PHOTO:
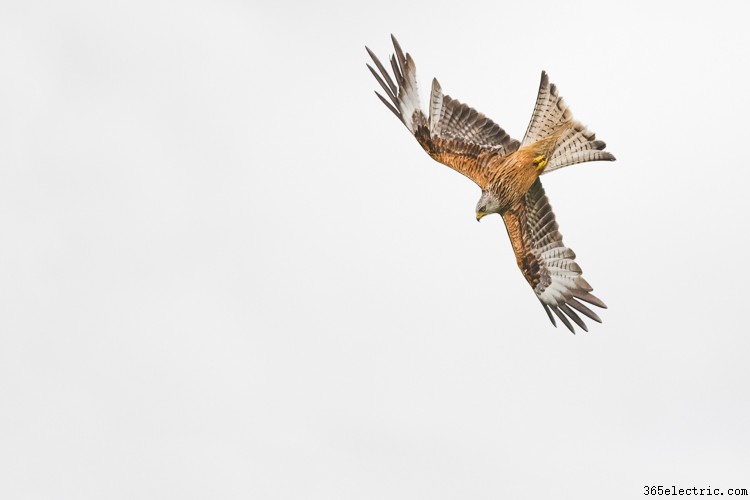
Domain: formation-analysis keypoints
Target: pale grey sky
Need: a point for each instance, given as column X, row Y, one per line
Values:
column 227, row 271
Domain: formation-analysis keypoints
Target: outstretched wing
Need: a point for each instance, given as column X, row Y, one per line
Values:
column 546, row 263
column 453, row 134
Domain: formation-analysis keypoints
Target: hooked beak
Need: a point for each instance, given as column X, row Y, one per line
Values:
column 480, row 215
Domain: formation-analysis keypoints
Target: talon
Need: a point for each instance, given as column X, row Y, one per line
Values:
column 540, row 162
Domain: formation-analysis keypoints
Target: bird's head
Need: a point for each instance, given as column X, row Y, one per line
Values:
column 487, row 204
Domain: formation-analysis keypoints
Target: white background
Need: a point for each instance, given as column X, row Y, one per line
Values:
column 227, row 271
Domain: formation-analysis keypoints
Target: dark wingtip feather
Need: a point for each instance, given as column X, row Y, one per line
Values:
column 371, row 53
column 586, row 296
column 563, row 318
column 387, row 90
column 400, row 58
column 397, row 71
column 584, row 310
column 397, row 46
column 383, row 72
column 395, row 112
column 577, row 319
column 549, row 314
column 597, row 301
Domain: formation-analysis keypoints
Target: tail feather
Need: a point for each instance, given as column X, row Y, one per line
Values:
column 577, row 145
column 573, row 138
column 553, row 120
column 579, row 157
column 550, row 111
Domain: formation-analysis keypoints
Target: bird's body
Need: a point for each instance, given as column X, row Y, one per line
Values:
column 510, row 176
column 508, row 173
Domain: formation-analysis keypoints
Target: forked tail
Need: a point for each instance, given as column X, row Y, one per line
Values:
column 562, row 140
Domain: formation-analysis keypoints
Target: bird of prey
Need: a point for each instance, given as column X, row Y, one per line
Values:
column 508, row 173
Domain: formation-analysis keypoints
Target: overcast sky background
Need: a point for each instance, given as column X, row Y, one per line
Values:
column 227, row 271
